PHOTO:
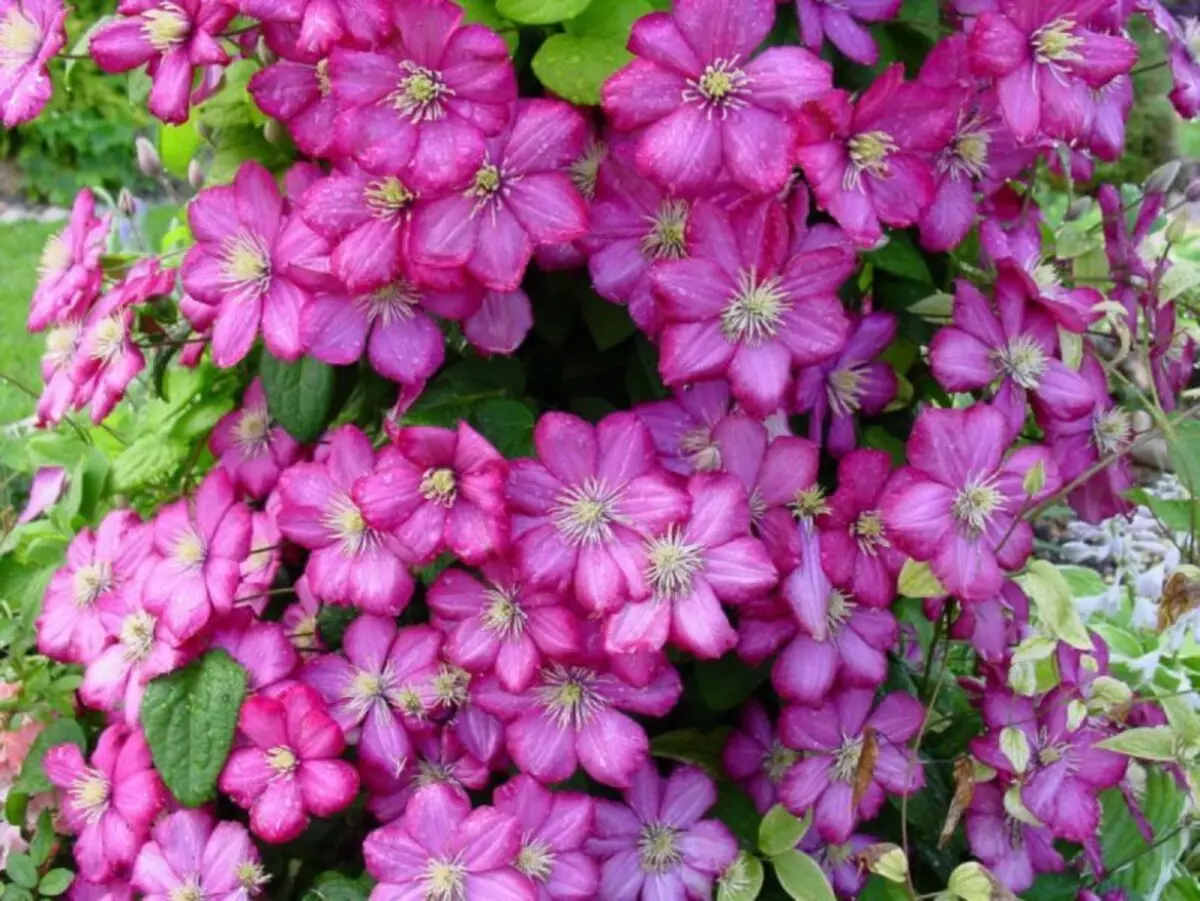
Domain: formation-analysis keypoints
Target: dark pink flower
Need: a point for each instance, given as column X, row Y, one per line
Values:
column 1042, row 58
column 1172, row 356
column 350, row 563
column 583, row 510
column 709, row 559
column 554, row 827
column 98, row 564
column 300, row 620
column 842, row 864
column 443, row 849
column 251, row 447
column 1106, row 111
column 261, row 565
column 994, row 627
column 756, row 759
column 253, row 263
column 172, row 39
column 300, row 95
column 1014, row 851
column 58, row 359
column 69, row 272
column 422, row 106
column 656, row 845
column 1183, row 41
column 704, row 105
column 436, row 757
column 117, row 889
column 31, row 32
column 501, row 626
column 190, row 853
column 775, row 471
column 108, row 804
column 742, row 307
column 262, row 648
column 311, row 28
column 959, row 503
column 438, row 489
column 520, row 197
column 682, row 427
column 288, row 767
column 840, row 22
column 832, row 738
column 202, row 541
column 867, row 159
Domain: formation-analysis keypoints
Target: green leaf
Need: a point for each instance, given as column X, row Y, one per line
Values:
column 339, row 887
column 177, row 146
column 1176, row 515
column 1148, row 743
column 1083, row 581
column 15, row 806
column 780, row 831
column 702, row 749
column 33, row 779
column 743, row 880
column 484, row 13
column 17, row 893
column 901, row 257
column 189, row 717
column 1051, row 595
column 1183, row 447
column 22, row 871
column 508, row 424
column 726, row 683
column 1183, row 719
column 608, row 19
column 918, row 581
column 575, row 68
column 149, row 459
column 801, row 877
column 55, row 883
column 736, row 810
column 609, row 323
column 541, row 12
column 332, row 622
column 299, row 395
column 43, row 839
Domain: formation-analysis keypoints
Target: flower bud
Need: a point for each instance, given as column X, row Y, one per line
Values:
column 147, row 157
column 195, row 175
column 1177, row 228
column 125, row 202
column 1162, row 178
column 886, row 860
column 273, row 131
column 1078, row 208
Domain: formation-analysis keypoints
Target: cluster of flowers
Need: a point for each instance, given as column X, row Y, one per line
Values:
column 579, row 568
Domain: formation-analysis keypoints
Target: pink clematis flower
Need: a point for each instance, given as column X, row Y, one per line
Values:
column 682, row 426
column 116, row 889
column 311, row 28
column 254, row 264
column 192, row 854
column 703, row 105
column 109, row 804
column 99, row 564
column 251, row 447
column 261, row 565
column 288, row 767
column 300, row 620
column 1015, row 346
column 520, row 197
column 422, row 106
column 833, row 737
column 58, row 359
column 69, row 272
column 172, row 40
column 756, row 759
column 744, row 308
column 582, row 511
column 350, row 563
column 443, row 849
column 300, row 95
column 856, row 552
column 692, row 569
column 262, row 648
column 31, row 32
column 1014, row 851
column 962, row 497
column 436, row 757
column 777, row 472
column 1183, row 41
column 576, row 715
column 1043, row 59
column 554, row 827
column 657, row 844
column 498, row 625
column 378, row 683
column 438, row 489
column 840, row 22
column 1172, row 356
column 202, row 541
column 866, row 159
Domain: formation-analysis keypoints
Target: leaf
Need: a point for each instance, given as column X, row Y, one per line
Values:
column 575, row 68
column 299, row 395
column 1147, row 743
column 1015, row 747
column 726, row 683
column 964, row 791
column 743, row 881
column 1183, row 276
column 901, row 257
column 149, row 459
column 918, row 581
column 609, row 323
column 736, row 810
column 339, row 887
column 801, row 877
column 15, row 806
column 43, row 839
column 1176, row 515
column 1083, row 581
column 1051, row 595
column 332, row 623
column 692, row 746
column 780, row 831
column 17, row 893
column 33, row 779
column 55, row 883
column 508, row 424
column 21, row 870
column 608, row 19
column 189, row 717
column 83, row 46
column 1183, row 719
column 864, row 774
column 541, row 12
column 484, row 13
column 1183, row 448
column 177, row 146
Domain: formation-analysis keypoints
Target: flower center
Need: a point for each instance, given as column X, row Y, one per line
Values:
column 251, row 876
column 420, row 94
column 89, row 794
column 535, row 860
column 837, row 855
column 839, row 610
column 721, row 87
column 282, row 760
column 61, row 344
column 570, row 695
column 584, row 513
column 304, row 635
column 667, row 236
column 20, row 38
column 439, row 486
column 445, row 880
column 91, row 581
column 868, row 532
column 1045, row 276
column 659, row 847
column 56, row 255
column 190, row 549
column 434, row 772
column 754, row 313
column 1023, row 360
column 388, row 198
column 188, row 890
column 451, row 687
column 365, row 688
column 670, row 564
column 324, row 84
column 777, row 761
column 1056, row 43
column 252, row 432
column 969, row 155
column 809, row 503
column 108, row 339
column 346, row 522
column 245, row 263
column 845, row 759
column 137, row 635
column 700, row 450
column 845, row 388
column 391, row 303
column 585, row 170
column 975, row 503
column 869, row 152
column 489, row 187
column 1112, row 430
column 503, row 615
column 165, row 28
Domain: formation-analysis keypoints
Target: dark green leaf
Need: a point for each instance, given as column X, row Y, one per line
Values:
column 339, row 887
column 15, row 806
column 21, row 870
column 43, row 839
column 726, row 683
column 55, row 883
column 508, row 424
column 736, row 810
column 575, row 68
column 299, row 395
column 609, row 323
column 900, row 257
column 60, row 732
column 189, row 718
column 332, row 623
column 702, row 749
